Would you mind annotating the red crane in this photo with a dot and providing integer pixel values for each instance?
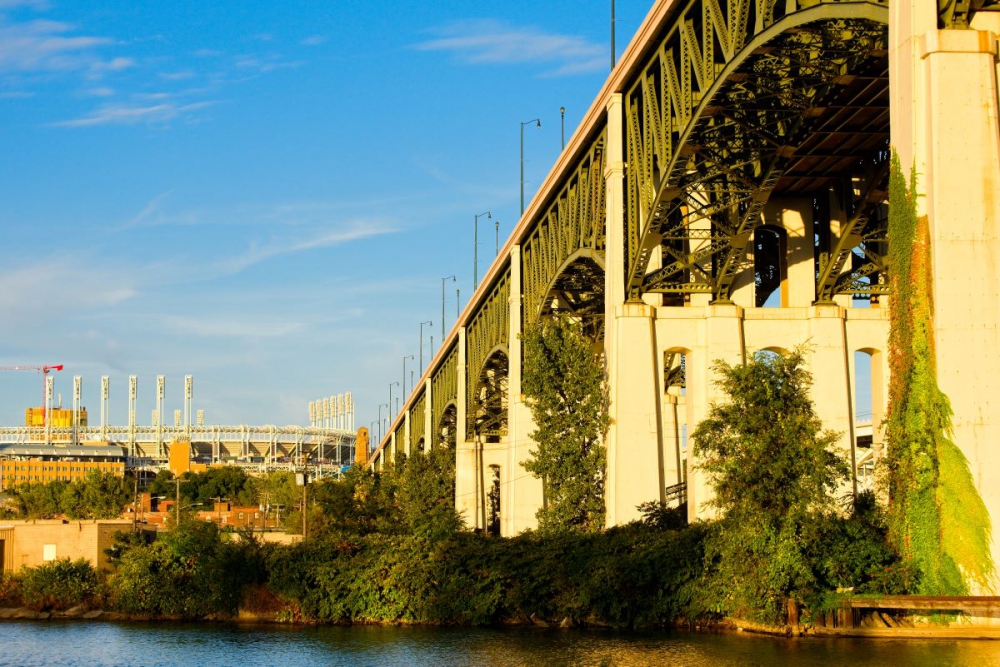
(44, 370)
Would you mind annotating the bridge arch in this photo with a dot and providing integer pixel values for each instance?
(489, 407)
(742, 100)
(577, 290)
(447, 428)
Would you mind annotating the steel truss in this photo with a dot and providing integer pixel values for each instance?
(721, 119)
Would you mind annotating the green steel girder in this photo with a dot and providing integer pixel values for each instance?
(959, 13)
(862, 230)
(444, 394)
(488, 416)
(574, 222)
(715, 119)
(488, 331)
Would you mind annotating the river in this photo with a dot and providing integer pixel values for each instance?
(74, 643)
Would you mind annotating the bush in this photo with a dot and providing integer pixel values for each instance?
(57, 585)
(190, 572)
(10, 590)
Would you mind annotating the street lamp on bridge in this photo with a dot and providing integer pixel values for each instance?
(475, 241)
(443, 280)
(390, 395)
(538, 123)
(380, 434)
(421, 367)
(405, 357)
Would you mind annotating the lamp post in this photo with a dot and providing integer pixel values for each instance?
(421, 366)
(475, 240)
(496, 225)
(562, 125)
(390, 395)
(405, 357)
(458, 295)
(538, 123)
(612, 34)
(380, 434)
(443, 280)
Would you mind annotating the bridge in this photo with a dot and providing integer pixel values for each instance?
(725, 193)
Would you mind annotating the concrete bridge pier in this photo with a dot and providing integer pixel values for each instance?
(521, 492)
(944, 124)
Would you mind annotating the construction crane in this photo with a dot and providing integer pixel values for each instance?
(44, 370)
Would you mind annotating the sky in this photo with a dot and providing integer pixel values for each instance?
(266, 195)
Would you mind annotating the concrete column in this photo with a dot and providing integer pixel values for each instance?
(945, 121)
(466, 468)
(633, 444)
(521, 492)
(830, 363)
(407, 445)
(798, 289)
(428, 415)
(634, 452)
(722, 341)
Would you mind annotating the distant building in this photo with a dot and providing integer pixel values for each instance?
(23, 463)
(31, 543)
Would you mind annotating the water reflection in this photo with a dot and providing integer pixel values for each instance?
(213, 645)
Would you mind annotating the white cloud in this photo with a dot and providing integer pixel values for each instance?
(313, 40)
(46, 46)
(34, 4)
(233, 327)
(113, 65)
(32, 293)
(353, 231)
(125, 114)
(497, 42)
(176, 76)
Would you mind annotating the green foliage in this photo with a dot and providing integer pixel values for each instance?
(361, 502)
(97, 496)
(190, 572)
(937, 520)
(59, 584)
(426, 494)
(773, 471)
(226, 482)
(853, 553)
(10, 590)
(633, 576)
(567, 392)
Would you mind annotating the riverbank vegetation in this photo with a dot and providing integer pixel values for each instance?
(389, 546)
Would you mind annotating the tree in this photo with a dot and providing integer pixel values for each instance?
(426, 494)
(567, 392)
(774, 473)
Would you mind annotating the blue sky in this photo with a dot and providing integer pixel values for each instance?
(265, 195)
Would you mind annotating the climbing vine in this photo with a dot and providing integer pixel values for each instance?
(937, 520)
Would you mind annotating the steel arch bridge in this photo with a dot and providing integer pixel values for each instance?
(737, 157)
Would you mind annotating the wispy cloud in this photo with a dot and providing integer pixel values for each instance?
(353, 231)
(313, 40)
(29, 291)
(128, 114)
(488, 41)
(43, 45)
(34, 4)
(222, 327)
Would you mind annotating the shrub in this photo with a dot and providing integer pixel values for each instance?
(59, 584)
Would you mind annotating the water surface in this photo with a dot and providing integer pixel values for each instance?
(74, 643)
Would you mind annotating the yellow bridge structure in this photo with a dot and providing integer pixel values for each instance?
(726, 193)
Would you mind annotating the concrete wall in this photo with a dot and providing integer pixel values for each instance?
(31, 543)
